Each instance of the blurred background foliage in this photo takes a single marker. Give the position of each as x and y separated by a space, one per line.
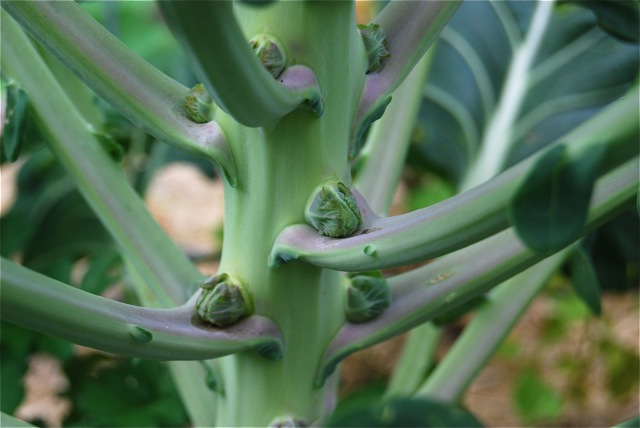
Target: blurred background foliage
560 366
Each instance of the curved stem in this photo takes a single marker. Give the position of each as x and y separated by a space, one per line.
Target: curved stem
488 328
239 83
411 28
40 303
424 293
382 159
142 93
458 221
166 270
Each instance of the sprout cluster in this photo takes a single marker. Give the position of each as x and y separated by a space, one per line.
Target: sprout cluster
268 51
224 300
199 104
368 295
333 210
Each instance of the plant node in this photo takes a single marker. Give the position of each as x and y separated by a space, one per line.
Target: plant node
333 210
199 104
224 300
375 45
269 53
368 295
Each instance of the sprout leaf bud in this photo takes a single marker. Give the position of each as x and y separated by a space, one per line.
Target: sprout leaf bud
199 104
333 211
269 53
375 45
368 295
223 301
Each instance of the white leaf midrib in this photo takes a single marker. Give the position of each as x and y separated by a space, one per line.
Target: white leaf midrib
497 136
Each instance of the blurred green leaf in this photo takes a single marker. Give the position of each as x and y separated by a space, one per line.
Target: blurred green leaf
16 346
129 393
585 281
535 400
622 368
407 412
14 122
615 252
550 207
577 70
631 423
621 18
429 190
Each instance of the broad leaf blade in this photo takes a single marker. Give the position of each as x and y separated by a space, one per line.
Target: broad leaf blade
551 206
576 70
14 122
621 18
585 281
406 412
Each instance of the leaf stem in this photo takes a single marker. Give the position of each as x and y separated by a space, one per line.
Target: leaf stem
222 59
37 302
142 93
489 327
411 28
382 158
460 220
426 292
166 269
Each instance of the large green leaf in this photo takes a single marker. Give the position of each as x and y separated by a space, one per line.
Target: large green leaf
484 100
404 412
551 206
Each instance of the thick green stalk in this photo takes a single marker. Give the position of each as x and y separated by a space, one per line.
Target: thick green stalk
491 324
277 173
146 96
166 270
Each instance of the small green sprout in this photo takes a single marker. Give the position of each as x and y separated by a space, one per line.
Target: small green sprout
368 295
268 51
224 300
375 45
199 104
333 210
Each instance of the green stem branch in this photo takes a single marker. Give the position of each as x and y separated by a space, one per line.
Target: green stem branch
166 270
491 324
411 28
142 93
424 293
382 158
461 220
222 59
37 302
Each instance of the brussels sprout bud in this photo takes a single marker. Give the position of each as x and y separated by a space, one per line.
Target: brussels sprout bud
199 104
333 211
375 45
223 301
368 295
269 53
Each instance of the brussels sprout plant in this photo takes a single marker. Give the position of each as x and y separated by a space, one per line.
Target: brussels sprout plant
529 108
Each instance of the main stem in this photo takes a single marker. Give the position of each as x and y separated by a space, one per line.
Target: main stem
278 170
